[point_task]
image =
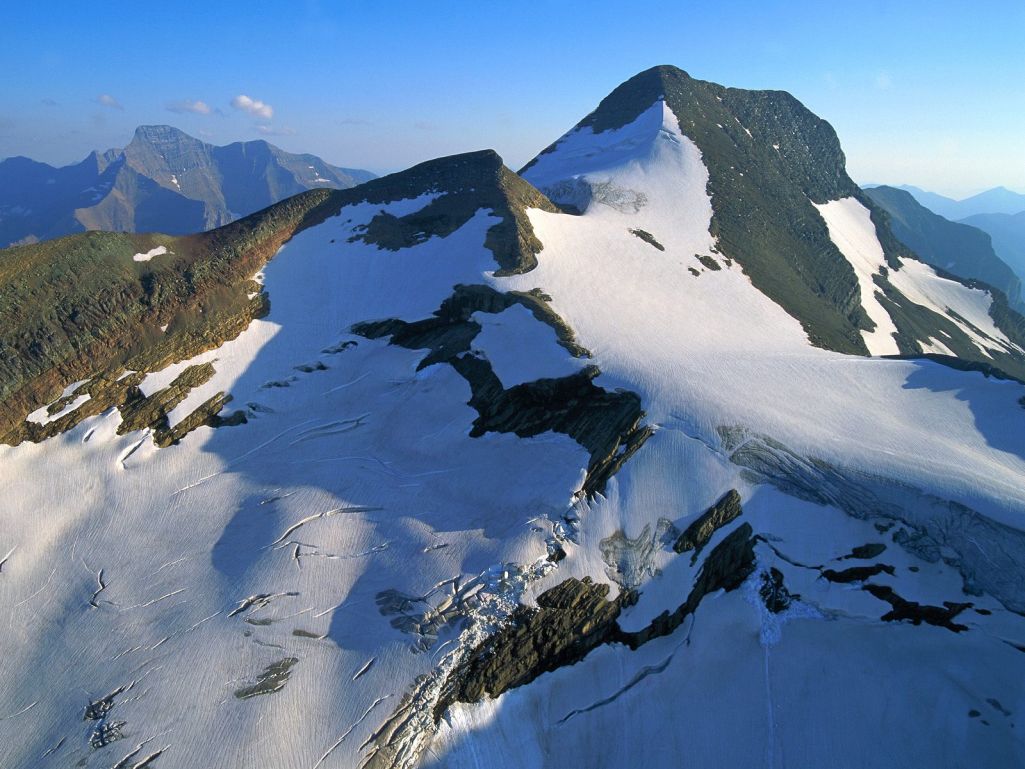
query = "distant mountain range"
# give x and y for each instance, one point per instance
(163, 181)
(998, 200)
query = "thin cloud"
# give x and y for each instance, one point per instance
(196, 107)
(254, 107)
(268, 130)
(353, 121)
(106, 100)
(883, 81)
(424, 125)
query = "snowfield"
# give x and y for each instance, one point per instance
(266, 594)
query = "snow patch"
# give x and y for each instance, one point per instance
(158, 251)
(852, 231)
(40, 416)
(920, 283)
(520, 348)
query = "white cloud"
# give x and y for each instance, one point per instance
(188, 105)
(106, 100)
(269, 130)
(253, 106)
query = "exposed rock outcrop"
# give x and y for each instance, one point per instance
(696, 536)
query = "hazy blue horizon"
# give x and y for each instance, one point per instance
(921, 94)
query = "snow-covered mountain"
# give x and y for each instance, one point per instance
(662, 452)
(163, 181)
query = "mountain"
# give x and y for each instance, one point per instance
(163, 181)
(1008, 234)
(588, 465)
(961, 249)
(998, 200)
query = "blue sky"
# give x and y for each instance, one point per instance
(927, 93)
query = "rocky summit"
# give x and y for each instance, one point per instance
(675, 448)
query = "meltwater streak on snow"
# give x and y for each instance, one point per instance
(177, 557)
(158, 251)
(851, 229)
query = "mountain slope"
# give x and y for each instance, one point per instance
(506, 485)
(1008, 234)
(163, 181)
(103, 306)
(957, 248)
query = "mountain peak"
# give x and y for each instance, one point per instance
(464, 184)
(164, 135)
(159, 131)
(767, 156)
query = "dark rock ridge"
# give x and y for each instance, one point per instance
(574, 618)
(163, 181)
(571, 619)
(607, 424)
(696, 536)
(916, 613)
(648, 238)
(451, 330)
(472, 182)
(271, 680)
(774, 593)
(857, 573)
(866, 552)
